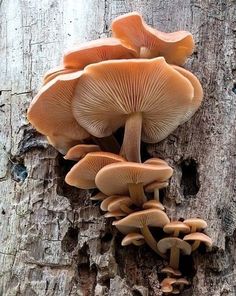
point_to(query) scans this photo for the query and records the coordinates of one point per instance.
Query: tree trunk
(53, 239)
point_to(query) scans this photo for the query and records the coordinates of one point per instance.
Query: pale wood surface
(53, 240)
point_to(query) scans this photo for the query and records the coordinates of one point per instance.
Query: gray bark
(53, 239)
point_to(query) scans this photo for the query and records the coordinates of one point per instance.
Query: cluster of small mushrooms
(133, 80)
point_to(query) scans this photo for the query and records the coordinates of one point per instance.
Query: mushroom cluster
(133, 81)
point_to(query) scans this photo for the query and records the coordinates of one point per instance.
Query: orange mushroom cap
(79, 151)
(174, 47)
(52, 73)
(96, 51)
(109, 92)
(82, 175)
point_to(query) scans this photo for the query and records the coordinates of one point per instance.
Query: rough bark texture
(53, 239)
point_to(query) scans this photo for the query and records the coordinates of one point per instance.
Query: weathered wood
(53, 240)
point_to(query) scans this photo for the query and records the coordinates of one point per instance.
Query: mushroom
(115, 202)
(171, 272)
(152, 203)
(142, 220)
(98, 197)
(96, 51)
(175, 228)
(149, 97)
(155, 187)
(174, 47)
(115, 214)
(166, 285)
(79, 151)
(50, 112)
(134, 238)
(198, 238)
(51, 74)
(195, 224)
(62, 143)
(175, 245)
(130, 178)
(82, 174)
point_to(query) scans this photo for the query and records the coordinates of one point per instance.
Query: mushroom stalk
(174, 257)
(156, 194)
(195, 245)
(109, 144)
(150, 240)
(137, 194)
(132, 137)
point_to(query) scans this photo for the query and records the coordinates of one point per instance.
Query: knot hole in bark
(70, 239)
(234, 88)
(190, 177)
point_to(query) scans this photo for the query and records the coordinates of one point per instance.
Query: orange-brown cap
(113, 202)
(133, 238)
(156, 161)
(50, 111)
(153, 204)
(79, 151)
(176, 226)
(129, 173)
(96, 51)
(156, 185)
(137, 220)
(109, 92)
(82, 175)
(195, 224)
(150, 43)
(200, 237)
(166, 285)
(52, 73)
(169, 242)
(171, 271)
(115, 214)
(99, 196)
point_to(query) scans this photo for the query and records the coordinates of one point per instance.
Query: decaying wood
(53, 239)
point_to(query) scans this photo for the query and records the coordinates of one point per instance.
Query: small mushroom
(142, 220)
(51, 74)
(96, 51)
(171, 272)
(198, 238)
(174, 47)
(195, 224)
(175, 245)
(149, 97)
(134, 238)
(115, 203)
(155, 187)
(82, 174)
(99, 196)
(166, 285)
(116, 214)
(152, 203)
(181, 283)
(176, 227)
(130, 178)
(50, 112)
(79, 151)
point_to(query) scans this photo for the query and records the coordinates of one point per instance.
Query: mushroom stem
(174, 257)
(109, 144)
(176, 233)
(125, 209)
(156, 194)
(195, 245)
(132, 137)
(137, 193)
(150, 240)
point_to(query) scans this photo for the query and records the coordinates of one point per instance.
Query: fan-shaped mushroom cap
(137, 220)
(170, 271)
(156, 185)
(132, 238)
(169, 242)
(195, 224)
(79, 151)
(156, 161)
(198, 91)
(115, 214)
(182, 281)
(153, 203)
(129, 173)
(96, 51)
(109, 92)
(132, 29)
(52, 73)
(198, 237)
(82, 175)
(113, 203)
(99, 196)
(176, 227)
(166, 285)
(50, 111)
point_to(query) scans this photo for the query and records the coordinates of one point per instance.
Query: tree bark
(53, 239)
